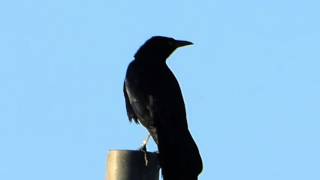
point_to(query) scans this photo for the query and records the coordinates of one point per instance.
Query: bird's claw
(143, 148)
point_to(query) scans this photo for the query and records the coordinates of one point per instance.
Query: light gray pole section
(132, 165)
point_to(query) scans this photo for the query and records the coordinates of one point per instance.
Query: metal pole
(132, 165)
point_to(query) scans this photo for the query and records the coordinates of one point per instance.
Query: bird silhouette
(153, 98)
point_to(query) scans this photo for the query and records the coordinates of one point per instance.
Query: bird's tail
(180, 158)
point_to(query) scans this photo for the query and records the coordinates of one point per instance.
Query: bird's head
(159, 48)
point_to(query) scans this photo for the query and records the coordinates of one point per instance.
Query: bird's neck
(151, 61)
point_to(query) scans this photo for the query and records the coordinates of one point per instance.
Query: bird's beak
(180, 43)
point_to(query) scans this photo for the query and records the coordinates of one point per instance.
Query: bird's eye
(171, 43)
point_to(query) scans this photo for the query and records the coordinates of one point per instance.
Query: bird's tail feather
(180, 158)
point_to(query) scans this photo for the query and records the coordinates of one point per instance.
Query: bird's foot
(143, 148)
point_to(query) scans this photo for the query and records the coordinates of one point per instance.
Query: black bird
(153, 98)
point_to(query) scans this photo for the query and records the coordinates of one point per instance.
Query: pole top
(132, 165)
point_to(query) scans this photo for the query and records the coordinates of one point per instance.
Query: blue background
(251, 83)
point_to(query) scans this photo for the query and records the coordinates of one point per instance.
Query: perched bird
(153, 98)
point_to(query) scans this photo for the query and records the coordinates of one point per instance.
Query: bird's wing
(130, 112)
(139, 102)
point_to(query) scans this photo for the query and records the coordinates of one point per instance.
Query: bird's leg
(143, 148)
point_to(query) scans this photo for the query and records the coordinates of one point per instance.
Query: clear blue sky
(251, 83)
